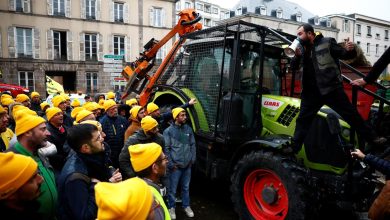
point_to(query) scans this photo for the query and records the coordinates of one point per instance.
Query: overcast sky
(374, 8)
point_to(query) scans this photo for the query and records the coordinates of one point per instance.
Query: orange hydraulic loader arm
(138, 70)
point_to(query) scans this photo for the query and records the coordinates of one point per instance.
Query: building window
(22, 6)
(118, 12)
(90, 46)
(215, 10)
(157, 17)
(207, 8)
(368, 49)
(59, 7)
(358, 29)
(346, 25)
(239, 11)
(187, 5)
(119, 45)
(299, 17)
(386, 34)
(92, 82)
(90, 9)
(279, 13)
(263, 10)
(368, 31)
(207, 22)
(178, 6)
(24, 42)
(26, 79)
(377, 50)
(199, 7)
(59, 41)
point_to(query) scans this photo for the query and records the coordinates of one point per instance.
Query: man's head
(179, 115)
(44, 106)
(59, 101)
(75, 103)
(306, 34)
(111, 108)
(19, 178)
(85, 138)
(132, 102)
(149, 125)
(111, 95)
(31, 128)
(137, 112)
(3, 119)
(55, 116)
(35, 97)
(148, 160)
(84, 115)
(153, 110)
(87, 98)
(24, 99)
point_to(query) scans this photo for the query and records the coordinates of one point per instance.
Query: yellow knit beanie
(57, 100)
(176, 111)
(144, 155)
(75, 111)
(75, 103)
(101, 102)
(43, 105)
(108, 104)
(151, 107)
(131, 102)
(134, 111)
(110, 95)
(22, 98)
(34, 94)
(66, 97)
(7, 101)
(131, 199)
(92, 106)
(16, 170)
(50, 112)
(148, 123)
(26, 121)
(92, 122)
(82, 114)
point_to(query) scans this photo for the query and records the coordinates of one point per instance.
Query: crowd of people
(99, 160)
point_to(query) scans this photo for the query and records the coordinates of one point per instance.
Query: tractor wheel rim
(257, 182)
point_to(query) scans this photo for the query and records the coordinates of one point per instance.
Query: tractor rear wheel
(267, 186)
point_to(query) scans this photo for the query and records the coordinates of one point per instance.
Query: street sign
(113, 65)
(112, 70)
(114, 57)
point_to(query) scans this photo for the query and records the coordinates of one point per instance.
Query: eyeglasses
(166, 158)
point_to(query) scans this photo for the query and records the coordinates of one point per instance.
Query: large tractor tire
(266, 186)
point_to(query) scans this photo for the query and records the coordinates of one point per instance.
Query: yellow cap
(66, 97)
(43, 105)
(101, 102)
(110, 95)
(16, 170)
(148, 123)
(134, 111)
(34, 94)
(131, 102)
(23, 109)
(93, 122)
(25, 122)
(75, 111)
(176, 111)
(22, 98)
(5, 95)
(131, 199)
(144, 155)
(108, 104)
(75, 103)
(57, 100)
(50, 112)
(151, 107)
(6, 101)
(82, 114)
(2, 110)
(91, 106)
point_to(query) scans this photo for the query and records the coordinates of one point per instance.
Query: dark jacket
(76, 191)
(58, 138)
(323, 59)
(139, 137)
(378, 67)
(166, 117)
(35, 106)
(30, 211)
(179, 145)
(379, 164)
(68, 121)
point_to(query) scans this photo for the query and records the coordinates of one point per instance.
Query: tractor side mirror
(333, 123)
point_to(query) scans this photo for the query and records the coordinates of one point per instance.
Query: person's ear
(85, 148)
(155, 168)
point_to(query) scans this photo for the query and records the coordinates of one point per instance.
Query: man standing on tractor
(322, 85)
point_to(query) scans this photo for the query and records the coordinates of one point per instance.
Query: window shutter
(112, 11)
(100, 49)
(49, 39)
(67, 8)
(12, 42)
(98, 9)
(151, 23)
(82, 47)
(163, 17)
(111, 44)
(69, 45)
(12, 5)
(82, 6)
(27, 6)
(36, 44)
(126, 13)
(50, 7)
(128, 49)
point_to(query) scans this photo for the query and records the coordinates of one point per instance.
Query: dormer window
(239, 11)
(299, 17)
(263, 10)
(279, 13)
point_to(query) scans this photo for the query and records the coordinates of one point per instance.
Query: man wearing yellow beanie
(75, 103)
(84, 115)
(32, 133)
(95, 108)
(132, 102)
(114, 126)
(136, 115)
(6, 133)
(35, 102)
(128, 200)
(180, 148)
(60, 102)
(44, 106)
(19, 186)
(83, 169)
(150, 163)
(148, 134)
(58, 132)
(110, 95)
(24, 99)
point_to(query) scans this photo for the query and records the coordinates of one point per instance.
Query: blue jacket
(115, 128)
(179, 145)
(379, 164)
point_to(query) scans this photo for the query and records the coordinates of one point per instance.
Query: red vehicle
(13, 89)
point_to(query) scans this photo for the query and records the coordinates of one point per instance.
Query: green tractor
(242, 121)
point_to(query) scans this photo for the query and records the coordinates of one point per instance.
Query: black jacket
(379, 164)
(58, 139)
(68, 121)
(115, 128)
(139, 137)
